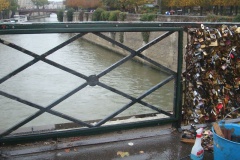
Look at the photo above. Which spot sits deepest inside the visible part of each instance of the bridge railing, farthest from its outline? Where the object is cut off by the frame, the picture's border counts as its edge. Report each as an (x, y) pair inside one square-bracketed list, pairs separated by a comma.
[(79, 30)]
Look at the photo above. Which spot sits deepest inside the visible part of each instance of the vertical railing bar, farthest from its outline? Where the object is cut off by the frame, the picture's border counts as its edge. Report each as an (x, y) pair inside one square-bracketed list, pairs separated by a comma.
[(37, 57), (132, 98), (23, 122), (133, 53), (56, 113), (136, 100), (178, 99)]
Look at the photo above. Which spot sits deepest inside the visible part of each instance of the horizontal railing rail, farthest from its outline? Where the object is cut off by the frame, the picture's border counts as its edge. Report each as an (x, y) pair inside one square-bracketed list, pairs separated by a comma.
[(40, 28), (80, 30)]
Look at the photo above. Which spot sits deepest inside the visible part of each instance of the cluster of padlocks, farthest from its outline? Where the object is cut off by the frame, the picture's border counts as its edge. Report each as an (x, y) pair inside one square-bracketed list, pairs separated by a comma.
[(212, 76)]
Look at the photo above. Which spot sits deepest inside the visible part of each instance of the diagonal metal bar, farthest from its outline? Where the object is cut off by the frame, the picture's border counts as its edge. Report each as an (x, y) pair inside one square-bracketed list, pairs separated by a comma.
[(162, 68), (36, 57), (156, 40), (114, 42), (14, 46), (23, 122), (56, 113), (57, 65), (133, 52), (135, 101)]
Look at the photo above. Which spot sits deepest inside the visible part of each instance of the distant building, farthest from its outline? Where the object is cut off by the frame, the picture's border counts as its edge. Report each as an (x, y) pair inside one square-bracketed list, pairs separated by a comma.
[(55, 5), (25, 4)]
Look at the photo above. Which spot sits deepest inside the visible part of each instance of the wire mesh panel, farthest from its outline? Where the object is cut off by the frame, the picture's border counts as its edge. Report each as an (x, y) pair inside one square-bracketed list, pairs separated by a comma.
[(70, 83)]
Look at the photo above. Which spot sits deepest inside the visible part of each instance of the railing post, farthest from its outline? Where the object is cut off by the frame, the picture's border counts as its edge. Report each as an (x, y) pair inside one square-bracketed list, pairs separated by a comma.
[(178, 83)]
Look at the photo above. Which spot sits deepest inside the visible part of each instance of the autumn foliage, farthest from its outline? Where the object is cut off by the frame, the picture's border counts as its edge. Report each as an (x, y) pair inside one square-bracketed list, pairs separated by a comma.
[(190, 3), (83, 3), (4, 4)]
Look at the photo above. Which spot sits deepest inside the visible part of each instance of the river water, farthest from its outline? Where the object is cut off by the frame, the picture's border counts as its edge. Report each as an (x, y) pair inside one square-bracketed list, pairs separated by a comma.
[(43, 84)]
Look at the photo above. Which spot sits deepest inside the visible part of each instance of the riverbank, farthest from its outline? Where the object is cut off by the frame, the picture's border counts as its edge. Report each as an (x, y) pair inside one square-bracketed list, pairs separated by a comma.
[(134, 40)]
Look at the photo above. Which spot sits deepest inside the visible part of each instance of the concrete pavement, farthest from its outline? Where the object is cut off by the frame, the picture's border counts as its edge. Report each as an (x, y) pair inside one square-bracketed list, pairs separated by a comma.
[(153, 143)]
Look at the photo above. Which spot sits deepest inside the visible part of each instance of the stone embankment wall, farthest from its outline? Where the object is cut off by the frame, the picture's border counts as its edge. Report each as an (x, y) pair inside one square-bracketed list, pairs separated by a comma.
[(36, 15), (164, 52), (86, 16)]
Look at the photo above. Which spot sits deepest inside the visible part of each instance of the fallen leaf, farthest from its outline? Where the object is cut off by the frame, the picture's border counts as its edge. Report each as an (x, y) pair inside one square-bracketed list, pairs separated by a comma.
[(75, 150), (141, 152), (122, 154), (67, 150)]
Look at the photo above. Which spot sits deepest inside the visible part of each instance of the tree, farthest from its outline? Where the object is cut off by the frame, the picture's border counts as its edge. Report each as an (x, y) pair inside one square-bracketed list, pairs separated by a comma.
[(111, 4), (125, 5), (60, 15), (202, 4), (140, 3), (13, 6), (4, 4), (83, 3), (40, 3), (233, 3), (218, 3)]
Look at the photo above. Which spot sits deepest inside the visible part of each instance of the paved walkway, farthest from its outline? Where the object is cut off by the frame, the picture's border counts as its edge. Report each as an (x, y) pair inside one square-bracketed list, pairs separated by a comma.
[(155, 143)]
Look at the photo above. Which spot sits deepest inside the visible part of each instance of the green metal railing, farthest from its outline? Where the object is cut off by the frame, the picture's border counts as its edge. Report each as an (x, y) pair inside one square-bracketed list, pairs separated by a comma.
[(81, 29)]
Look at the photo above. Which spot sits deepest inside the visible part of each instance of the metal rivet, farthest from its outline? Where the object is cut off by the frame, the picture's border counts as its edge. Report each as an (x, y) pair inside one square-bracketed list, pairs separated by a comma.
[(160, 25), (66, 25), (13, 27), (116, 25)]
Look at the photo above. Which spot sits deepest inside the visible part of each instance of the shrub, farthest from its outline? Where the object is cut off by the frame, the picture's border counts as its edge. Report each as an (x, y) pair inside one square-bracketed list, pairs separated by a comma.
[(70, 14), (122, 16), (217, 18), (114, 15), (236, 19), (105, 15), (97, 14), (60, 15), (147, 17)]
